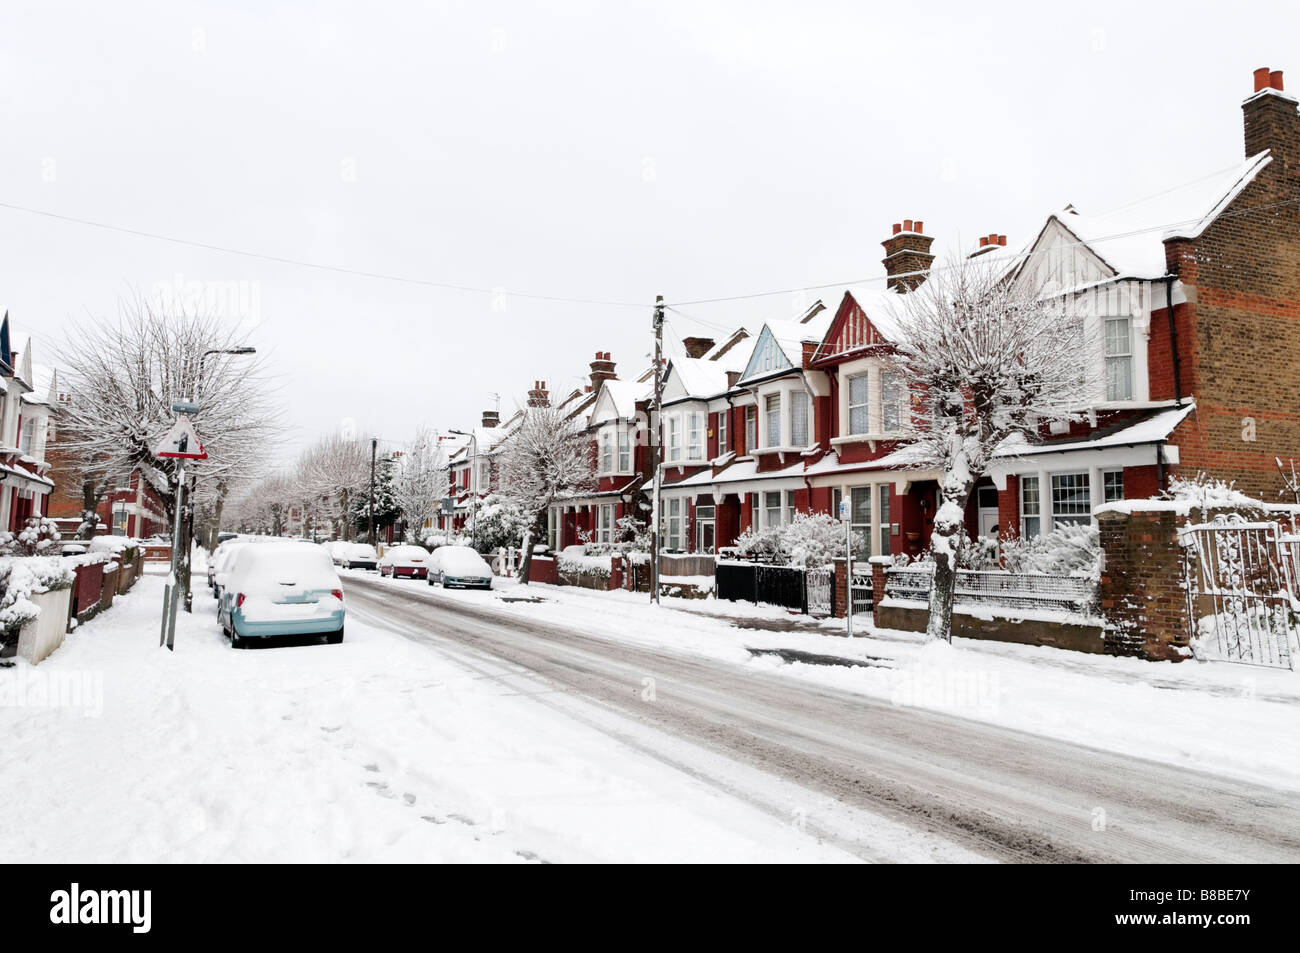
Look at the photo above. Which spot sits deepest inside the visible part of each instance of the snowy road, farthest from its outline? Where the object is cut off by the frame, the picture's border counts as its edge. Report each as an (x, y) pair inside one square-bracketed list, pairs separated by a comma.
[(843, 765)]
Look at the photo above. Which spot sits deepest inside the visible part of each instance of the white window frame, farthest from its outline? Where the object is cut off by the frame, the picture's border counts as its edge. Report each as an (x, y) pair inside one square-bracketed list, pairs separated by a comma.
[(606, 452), (772, 505), (623, 440), (722, 432), (1085, 488), (1106, 476), (751, 429), (772, 415), (605, 523), (1112, 358), (673, 522), (799, 399), (673, 424), (864, 405), (695, 435), (1026, 532)]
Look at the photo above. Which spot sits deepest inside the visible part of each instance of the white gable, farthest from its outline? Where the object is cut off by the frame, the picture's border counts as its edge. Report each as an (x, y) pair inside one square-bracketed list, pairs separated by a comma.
[(1060, 261), (767, 356)]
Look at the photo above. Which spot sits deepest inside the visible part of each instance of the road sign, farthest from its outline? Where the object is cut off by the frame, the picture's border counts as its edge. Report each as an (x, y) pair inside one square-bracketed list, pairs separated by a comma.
[(181, 442), (844, 509)]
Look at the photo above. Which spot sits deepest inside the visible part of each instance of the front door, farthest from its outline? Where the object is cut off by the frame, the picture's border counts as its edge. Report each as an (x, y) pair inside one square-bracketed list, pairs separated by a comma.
[(988, 512), (704, 536)]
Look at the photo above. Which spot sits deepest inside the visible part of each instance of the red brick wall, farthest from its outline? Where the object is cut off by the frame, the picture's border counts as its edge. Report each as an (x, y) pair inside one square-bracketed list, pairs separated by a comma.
[(1141, 591)]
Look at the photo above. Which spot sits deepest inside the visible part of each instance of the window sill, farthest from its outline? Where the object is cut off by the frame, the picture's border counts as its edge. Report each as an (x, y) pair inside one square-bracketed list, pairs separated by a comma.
[(759, 451), (863, 438)]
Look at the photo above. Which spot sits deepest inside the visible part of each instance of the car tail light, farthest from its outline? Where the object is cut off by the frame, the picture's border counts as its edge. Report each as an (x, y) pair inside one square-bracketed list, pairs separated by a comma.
[(337, 594), (239, 600)]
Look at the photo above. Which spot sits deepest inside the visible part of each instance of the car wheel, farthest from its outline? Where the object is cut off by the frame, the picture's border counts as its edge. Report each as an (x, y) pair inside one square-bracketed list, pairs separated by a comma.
[(236, 642), (334, 638)]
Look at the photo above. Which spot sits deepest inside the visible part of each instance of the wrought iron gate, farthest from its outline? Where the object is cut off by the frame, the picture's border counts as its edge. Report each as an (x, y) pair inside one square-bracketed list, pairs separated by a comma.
[(860, 595), (819, 591), (1241, 592)]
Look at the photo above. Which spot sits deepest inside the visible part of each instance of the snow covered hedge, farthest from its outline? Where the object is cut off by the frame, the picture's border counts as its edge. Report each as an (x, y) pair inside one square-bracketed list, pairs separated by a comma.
[(810, 539), (39, 537), (20, 579), (581, 564)]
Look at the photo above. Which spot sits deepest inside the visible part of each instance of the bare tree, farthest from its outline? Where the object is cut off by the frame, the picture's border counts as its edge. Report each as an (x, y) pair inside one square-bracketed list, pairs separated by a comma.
[(338, 467), (420, 481), (124, 376), (987, 363), (545, 459)]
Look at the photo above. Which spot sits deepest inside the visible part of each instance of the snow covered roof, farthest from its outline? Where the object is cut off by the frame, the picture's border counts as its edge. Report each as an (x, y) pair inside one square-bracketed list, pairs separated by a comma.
[(1130, 239), (43, 382), (700, 377), (1151, 429), (623, 396), (737, 472), (787, 338)]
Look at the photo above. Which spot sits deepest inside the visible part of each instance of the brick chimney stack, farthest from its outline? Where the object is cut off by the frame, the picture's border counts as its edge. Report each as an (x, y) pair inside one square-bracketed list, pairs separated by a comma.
[(538, 397), (602, 369), (1271, 120), (907, 250), (989, 243), (697, 347), (491, 418)]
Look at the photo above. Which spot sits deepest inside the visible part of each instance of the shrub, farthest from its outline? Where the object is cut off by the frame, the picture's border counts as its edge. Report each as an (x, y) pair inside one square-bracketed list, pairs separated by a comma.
[(1070, 548), (810, 539)]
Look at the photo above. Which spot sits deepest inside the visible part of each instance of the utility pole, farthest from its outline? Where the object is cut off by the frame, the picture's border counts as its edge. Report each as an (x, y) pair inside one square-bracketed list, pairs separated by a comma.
[(656, 442), (374, 445)]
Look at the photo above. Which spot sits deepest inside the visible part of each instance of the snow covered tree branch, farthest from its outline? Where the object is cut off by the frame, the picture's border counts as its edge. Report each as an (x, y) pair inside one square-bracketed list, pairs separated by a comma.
[(987, 363)]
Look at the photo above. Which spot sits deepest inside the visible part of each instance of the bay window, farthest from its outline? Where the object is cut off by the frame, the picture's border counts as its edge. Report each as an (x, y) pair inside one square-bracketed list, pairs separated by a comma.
[(722, 433), (673, 524), (674, 438), (624, 451), (694, 436), (751, 429), (1031, 524), (772, 406), (605, 523), (1119, 359), (891, 403), (858, 405), (772, 508), (798, 418), (1071, 498), (606, 452)]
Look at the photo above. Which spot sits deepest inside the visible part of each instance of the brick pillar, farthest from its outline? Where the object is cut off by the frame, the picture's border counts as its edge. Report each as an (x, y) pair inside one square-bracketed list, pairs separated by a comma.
[(841, 588), (878, 564), (1141, 591)]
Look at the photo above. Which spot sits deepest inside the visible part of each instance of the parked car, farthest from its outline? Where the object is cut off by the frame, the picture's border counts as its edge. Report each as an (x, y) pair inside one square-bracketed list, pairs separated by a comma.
[(225, 537), (282, 589), (459, 567), (222, 562), (411, 562), (336, 548), (360, 556)]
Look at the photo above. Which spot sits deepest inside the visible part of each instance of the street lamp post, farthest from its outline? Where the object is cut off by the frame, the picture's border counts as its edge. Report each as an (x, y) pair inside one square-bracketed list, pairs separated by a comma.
[(198, 396), (473, 479)]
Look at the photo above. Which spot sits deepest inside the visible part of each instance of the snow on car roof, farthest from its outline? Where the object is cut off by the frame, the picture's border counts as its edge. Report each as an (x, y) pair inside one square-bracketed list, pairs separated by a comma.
[(266, 568)]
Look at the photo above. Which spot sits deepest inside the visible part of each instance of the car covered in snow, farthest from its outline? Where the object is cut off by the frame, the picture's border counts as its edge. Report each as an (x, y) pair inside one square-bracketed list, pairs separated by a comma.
[(459, 567), (282, 589), (359, 556), (222, 562), (336, 548), (409, 562)]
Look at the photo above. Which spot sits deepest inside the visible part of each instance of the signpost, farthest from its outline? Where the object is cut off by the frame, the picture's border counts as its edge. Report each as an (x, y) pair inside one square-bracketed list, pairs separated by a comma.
[(180, 444), (848, 563)]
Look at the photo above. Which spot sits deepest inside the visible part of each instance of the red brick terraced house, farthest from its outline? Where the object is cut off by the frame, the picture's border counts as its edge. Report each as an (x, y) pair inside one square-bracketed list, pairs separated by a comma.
[(26, 399), (1213, 386), (739, 426), (615, 415)]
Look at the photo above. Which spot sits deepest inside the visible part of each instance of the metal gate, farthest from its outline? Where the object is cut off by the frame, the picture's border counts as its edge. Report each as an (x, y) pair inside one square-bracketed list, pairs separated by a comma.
[(1241, 588), (860, 595), (819, 591)]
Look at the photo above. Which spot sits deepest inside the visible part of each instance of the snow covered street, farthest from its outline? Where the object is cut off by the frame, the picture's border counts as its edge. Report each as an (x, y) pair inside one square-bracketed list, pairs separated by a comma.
[(374, 750), (560, 725)]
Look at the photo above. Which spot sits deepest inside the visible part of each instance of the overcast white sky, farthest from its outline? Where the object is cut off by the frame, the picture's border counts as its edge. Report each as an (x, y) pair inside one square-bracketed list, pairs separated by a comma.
[(596, 150)]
